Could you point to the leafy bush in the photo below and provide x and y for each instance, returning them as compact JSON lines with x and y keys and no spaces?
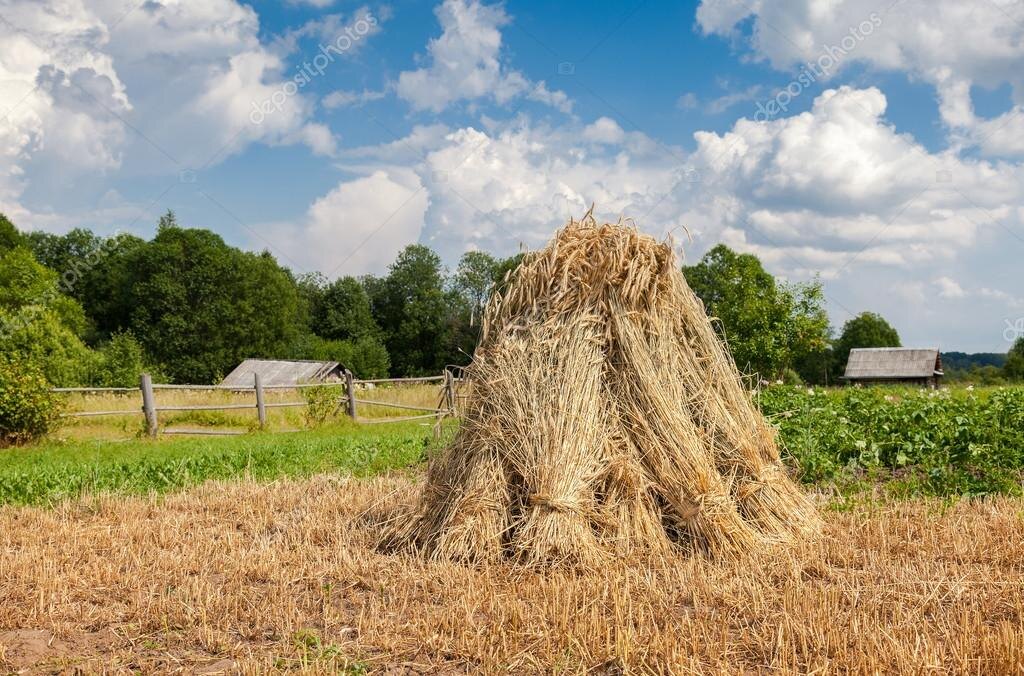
{"x":39,"y":324}
{"x":791,"y":377}
{"x":948,"y":442}
{"x":120,"y":362}
{"x":28,"y":408}
{"x":322,"y":403}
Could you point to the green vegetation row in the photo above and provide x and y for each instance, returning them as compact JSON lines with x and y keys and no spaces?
{"x":954,"y":442}
{"x":51,"y":472}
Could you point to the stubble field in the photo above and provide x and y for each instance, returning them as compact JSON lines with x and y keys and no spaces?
{"x":253,"y":577}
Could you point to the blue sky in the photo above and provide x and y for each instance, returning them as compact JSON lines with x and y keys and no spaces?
{"x":877,"y":146}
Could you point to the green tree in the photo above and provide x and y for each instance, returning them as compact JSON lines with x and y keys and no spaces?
{"x":94,"y":271}
{"x":343,"y":311}
{"x":411,"y":307}
{"x":865,"y":330}
{"x":1014,"y":368}
{"x":475,"y":279}
{"x":769,"y":326}
{"x":105,"y":288}
{"x":10,"y":236}
{"x":38,"y":324}
{"x":810,"y":332}
{"x":199,"y":306}
{"x":470,"y":287}
{"x":69,"y":255}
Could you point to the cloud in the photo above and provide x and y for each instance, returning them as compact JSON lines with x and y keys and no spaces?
{"x":359,"y":226}
{"x":724,"y":102}
{"x":356,"y":27}
{"x":827,"y":191}
{"x":343,"y":99}
{"x":501,"y":188}
{"x":61,"y":96}
{"x":320,"y":139}
{"x":949,"y":43}
{"x":231,"y":89}
{"x":604,"y":130}
{"x":464,"y":63}
{"x":835,"y":191}
{"x":1008,"y":299}
{"x":94,"y":89}
{"x":319,"y":4}
{"x":819,"y":190}
{"x":949,"y":288}
{"x":687,"y":101}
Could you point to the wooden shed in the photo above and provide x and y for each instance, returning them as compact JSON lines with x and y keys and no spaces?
{"x":284,"y":372}
{"x":916,"y":366}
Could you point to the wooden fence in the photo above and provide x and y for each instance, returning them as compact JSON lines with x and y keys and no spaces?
{"x":150,"y":409}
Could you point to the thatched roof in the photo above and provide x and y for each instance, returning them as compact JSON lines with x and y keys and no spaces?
{"x":892,"y":363}
{"x":283,"y":372}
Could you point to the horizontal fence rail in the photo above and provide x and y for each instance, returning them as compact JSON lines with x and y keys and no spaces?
{"x":150,"y":408}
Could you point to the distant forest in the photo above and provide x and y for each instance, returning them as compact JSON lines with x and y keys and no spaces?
{"x":89,"y":310}
{"x":963,"y":361}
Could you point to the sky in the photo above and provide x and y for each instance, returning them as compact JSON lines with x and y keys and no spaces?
{"x":876,"y":145}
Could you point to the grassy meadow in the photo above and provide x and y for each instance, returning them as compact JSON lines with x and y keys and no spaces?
{"x":54,"y":471}
{"x":320,"y":405}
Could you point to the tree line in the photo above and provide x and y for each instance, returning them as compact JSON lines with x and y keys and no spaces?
{"x":90,"y":310}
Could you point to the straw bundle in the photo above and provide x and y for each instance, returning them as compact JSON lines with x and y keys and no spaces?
{"x":605,"y":417}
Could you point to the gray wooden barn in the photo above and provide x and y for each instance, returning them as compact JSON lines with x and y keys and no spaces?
{"x":916,"y":366}
{"x":276,"y":372}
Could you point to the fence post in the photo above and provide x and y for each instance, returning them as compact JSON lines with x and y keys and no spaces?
{"x":148,"y":404}
{"x":261,"y":407}
{"x":449,"y":390}
{"x":351,"y":391}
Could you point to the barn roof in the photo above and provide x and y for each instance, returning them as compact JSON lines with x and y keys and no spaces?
{"x":881,"y":363}
{"x":281,"y":372}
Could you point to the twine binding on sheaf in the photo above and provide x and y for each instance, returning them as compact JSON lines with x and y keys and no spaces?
{"x":555,"y":503}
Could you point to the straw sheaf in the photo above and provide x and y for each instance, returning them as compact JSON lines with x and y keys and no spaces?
{"x":606,"y":417}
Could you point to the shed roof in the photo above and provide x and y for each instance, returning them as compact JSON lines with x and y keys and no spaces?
{"x":881,"y":363}
{"x":280,"y":372}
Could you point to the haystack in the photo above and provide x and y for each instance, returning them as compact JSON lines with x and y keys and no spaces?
{"x":605,"y":417}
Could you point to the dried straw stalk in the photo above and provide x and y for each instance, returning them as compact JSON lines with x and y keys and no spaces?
{"x":606,"y":418}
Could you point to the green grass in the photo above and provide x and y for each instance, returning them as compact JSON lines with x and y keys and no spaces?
{"x":55,"y":471}
{"x":953,"y":443}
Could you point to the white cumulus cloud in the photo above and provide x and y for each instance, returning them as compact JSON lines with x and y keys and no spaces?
{"x":464,"y":63}
{"x":359,"y":226}
{"x":949,"y":43}
{"x":93,"y":88}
